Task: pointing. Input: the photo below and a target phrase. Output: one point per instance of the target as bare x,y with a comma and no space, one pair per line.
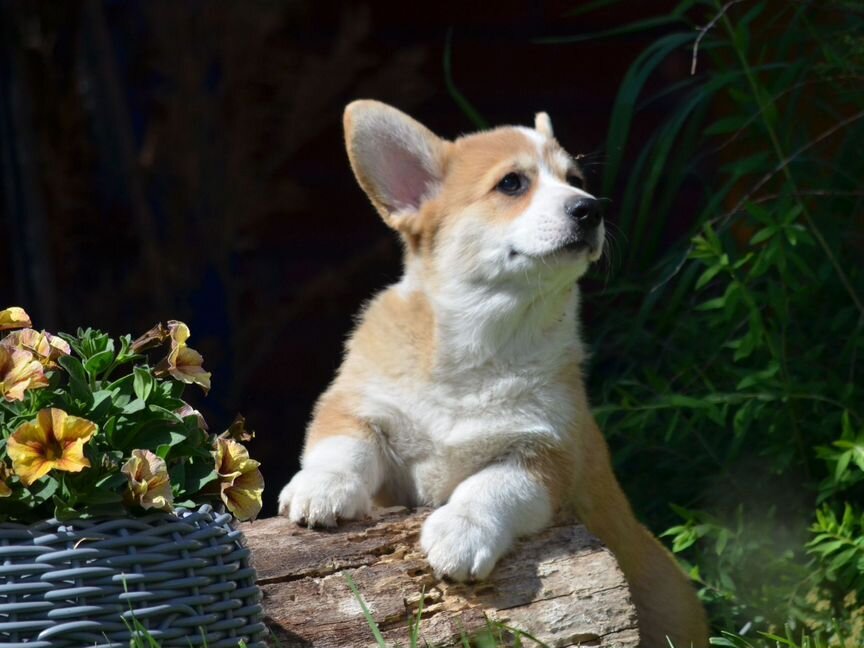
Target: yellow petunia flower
240,482
5,491
14,317
46,347
19,371
182,362
237,430
54,440
179,333
187,410
149,483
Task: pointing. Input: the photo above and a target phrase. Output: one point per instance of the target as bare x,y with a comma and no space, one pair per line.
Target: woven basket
185,577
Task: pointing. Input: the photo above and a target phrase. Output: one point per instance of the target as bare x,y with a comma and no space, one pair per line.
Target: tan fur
396,342
476,163
542,124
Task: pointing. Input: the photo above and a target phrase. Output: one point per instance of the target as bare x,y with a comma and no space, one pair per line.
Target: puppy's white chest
439,433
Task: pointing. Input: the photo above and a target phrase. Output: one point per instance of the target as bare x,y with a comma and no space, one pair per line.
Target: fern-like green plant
728,348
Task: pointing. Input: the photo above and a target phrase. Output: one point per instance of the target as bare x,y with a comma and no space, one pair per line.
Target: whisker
611,254
621,232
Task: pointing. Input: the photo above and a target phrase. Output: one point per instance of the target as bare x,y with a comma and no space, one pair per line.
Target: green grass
497,634
493,635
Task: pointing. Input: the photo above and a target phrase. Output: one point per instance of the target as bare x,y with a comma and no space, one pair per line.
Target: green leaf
62,510
843,559
830,547
742,261
722,541
858,454
757,377
712,304
135,406
177,472
726,125
708,275
111,481
846,425
164,414
143,383
169,439
625,102
684,541
680,400
48,487
842,465
101,405
101,498
99,362
79,386
742,419
123,385
200,472
764,234
750,164
635,26
759,213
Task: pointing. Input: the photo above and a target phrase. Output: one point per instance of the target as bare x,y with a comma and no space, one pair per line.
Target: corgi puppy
462,385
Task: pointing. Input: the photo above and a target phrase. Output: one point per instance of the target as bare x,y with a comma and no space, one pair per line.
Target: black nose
585,211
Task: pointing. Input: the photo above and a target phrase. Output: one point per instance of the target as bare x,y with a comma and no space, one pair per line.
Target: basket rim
150,518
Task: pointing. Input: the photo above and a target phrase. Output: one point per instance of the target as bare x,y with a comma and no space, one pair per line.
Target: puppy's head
501,207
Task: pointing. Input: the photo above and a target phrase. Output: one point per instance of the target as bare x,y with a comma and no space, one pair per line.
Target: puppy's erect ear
543,125
397,161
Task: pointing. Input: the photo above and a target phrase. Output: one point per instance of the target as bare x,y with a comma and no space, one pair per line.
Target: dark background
184,160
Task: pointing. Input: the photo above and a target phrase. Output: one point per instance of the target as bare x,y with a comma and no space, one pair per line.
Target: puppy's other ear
543,125
397,161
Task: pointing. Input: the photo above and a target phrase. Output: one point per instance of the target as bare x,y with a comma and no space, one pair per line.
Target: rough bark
561,586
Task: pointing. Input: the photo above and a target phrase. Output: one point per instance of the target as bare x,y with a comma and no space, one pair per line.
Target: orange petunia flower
19,371
240,482
182,362
54,440
5,491
149,483
46,347
14,317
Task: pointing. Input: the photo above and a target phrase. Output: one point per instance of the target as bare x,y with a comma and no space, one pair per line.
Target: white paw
461,545
320,498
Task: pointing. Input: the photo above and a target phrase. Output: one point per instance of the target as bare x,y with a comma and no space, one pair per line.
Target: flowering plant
89,428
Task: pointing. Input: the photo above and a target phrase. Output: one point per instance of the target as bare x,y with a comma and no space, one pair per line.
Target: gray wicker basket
185,577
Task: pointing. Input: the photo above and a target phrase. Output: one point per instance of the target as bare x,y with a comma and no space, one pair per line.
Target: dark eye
575,181
512,184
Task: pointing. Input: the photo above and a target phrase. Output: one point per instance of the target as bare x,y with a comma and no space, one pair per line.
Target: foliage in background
88,428
728,349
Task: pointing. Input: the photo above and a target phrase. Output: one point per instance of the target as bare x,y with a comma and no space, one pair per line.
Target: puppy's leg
341,469
464,538
665,600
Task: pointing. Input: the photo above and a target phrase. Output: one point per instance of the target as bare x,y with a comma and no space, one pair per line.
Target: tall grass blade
470,111
370,620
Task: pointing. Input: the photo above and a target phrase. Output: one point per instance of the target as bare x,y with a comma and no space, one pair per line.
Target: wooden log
561,586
